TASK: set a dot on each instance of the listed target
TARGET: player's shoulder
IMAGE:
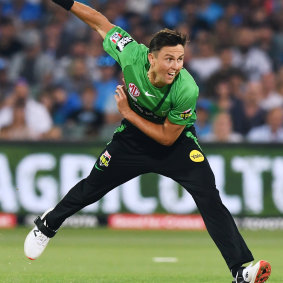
(186, 78)
(121, 38)
(185, 82)
(119, 41)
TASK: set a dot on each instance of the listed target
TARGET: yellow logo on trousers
(196, 156)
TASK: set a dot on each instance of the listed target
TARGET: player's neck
(152, 76)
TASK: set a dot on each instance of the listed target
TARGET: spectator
(270, 42)
(233, 14)
(247, 113)
(154, 20)
(77, 76)
(253, 61)
(62, 104)
(18, 129)
(24, 10)
(80, 64)
(226, 71)
(112, 115)
(173, 15)
(204, 61)
(138, 33)
(271, 98)
(6, 85)
(203, 123)
(32, 64)
(209, 11)
(94, 51)
(45, 98)
(106, 86)
(137, 6)
(237, 81)
(51, 41)
(223, 33)
(37, 117)
(116, 12)
(222, 130)
(9, 43)
(272, 131)
(86, 122)
(280, 88)
(190, 17)
(223, 98)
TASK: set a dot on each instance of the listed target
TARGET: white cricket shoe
(257, 273)
(38, 238)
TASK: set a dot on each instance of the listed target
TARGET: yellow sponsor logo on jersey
(185, 116)
(196, 156)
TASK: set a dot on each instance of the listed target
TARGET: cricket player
(156, 135)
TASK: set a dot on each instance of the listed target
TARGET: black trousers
(132, 153)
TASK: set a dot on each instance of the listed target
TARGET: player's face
(166, 64)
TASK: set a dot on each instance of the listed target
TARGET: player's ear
(150, 57)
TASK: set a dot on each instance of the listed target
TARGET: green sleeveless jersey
(176, 101)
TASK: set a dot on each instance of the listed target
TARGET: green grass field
(103, 255)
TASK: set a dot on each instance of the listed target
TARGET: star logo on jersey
(148, 94)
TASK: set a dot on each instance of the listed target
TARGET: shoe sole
(263, 273)
(35, 227)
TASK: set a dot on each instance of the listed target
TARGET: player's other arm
(165, 134)
(90, 16)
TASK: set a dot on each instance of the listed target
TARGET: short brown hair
(166, 37)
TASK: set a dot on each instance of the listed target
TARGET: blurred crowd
(56, 82)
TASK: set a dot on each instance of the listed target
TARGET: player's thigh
(188, 165)
(115, 165)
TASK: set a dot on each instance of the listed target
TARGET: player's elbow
(167, 142)
(167, 138)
